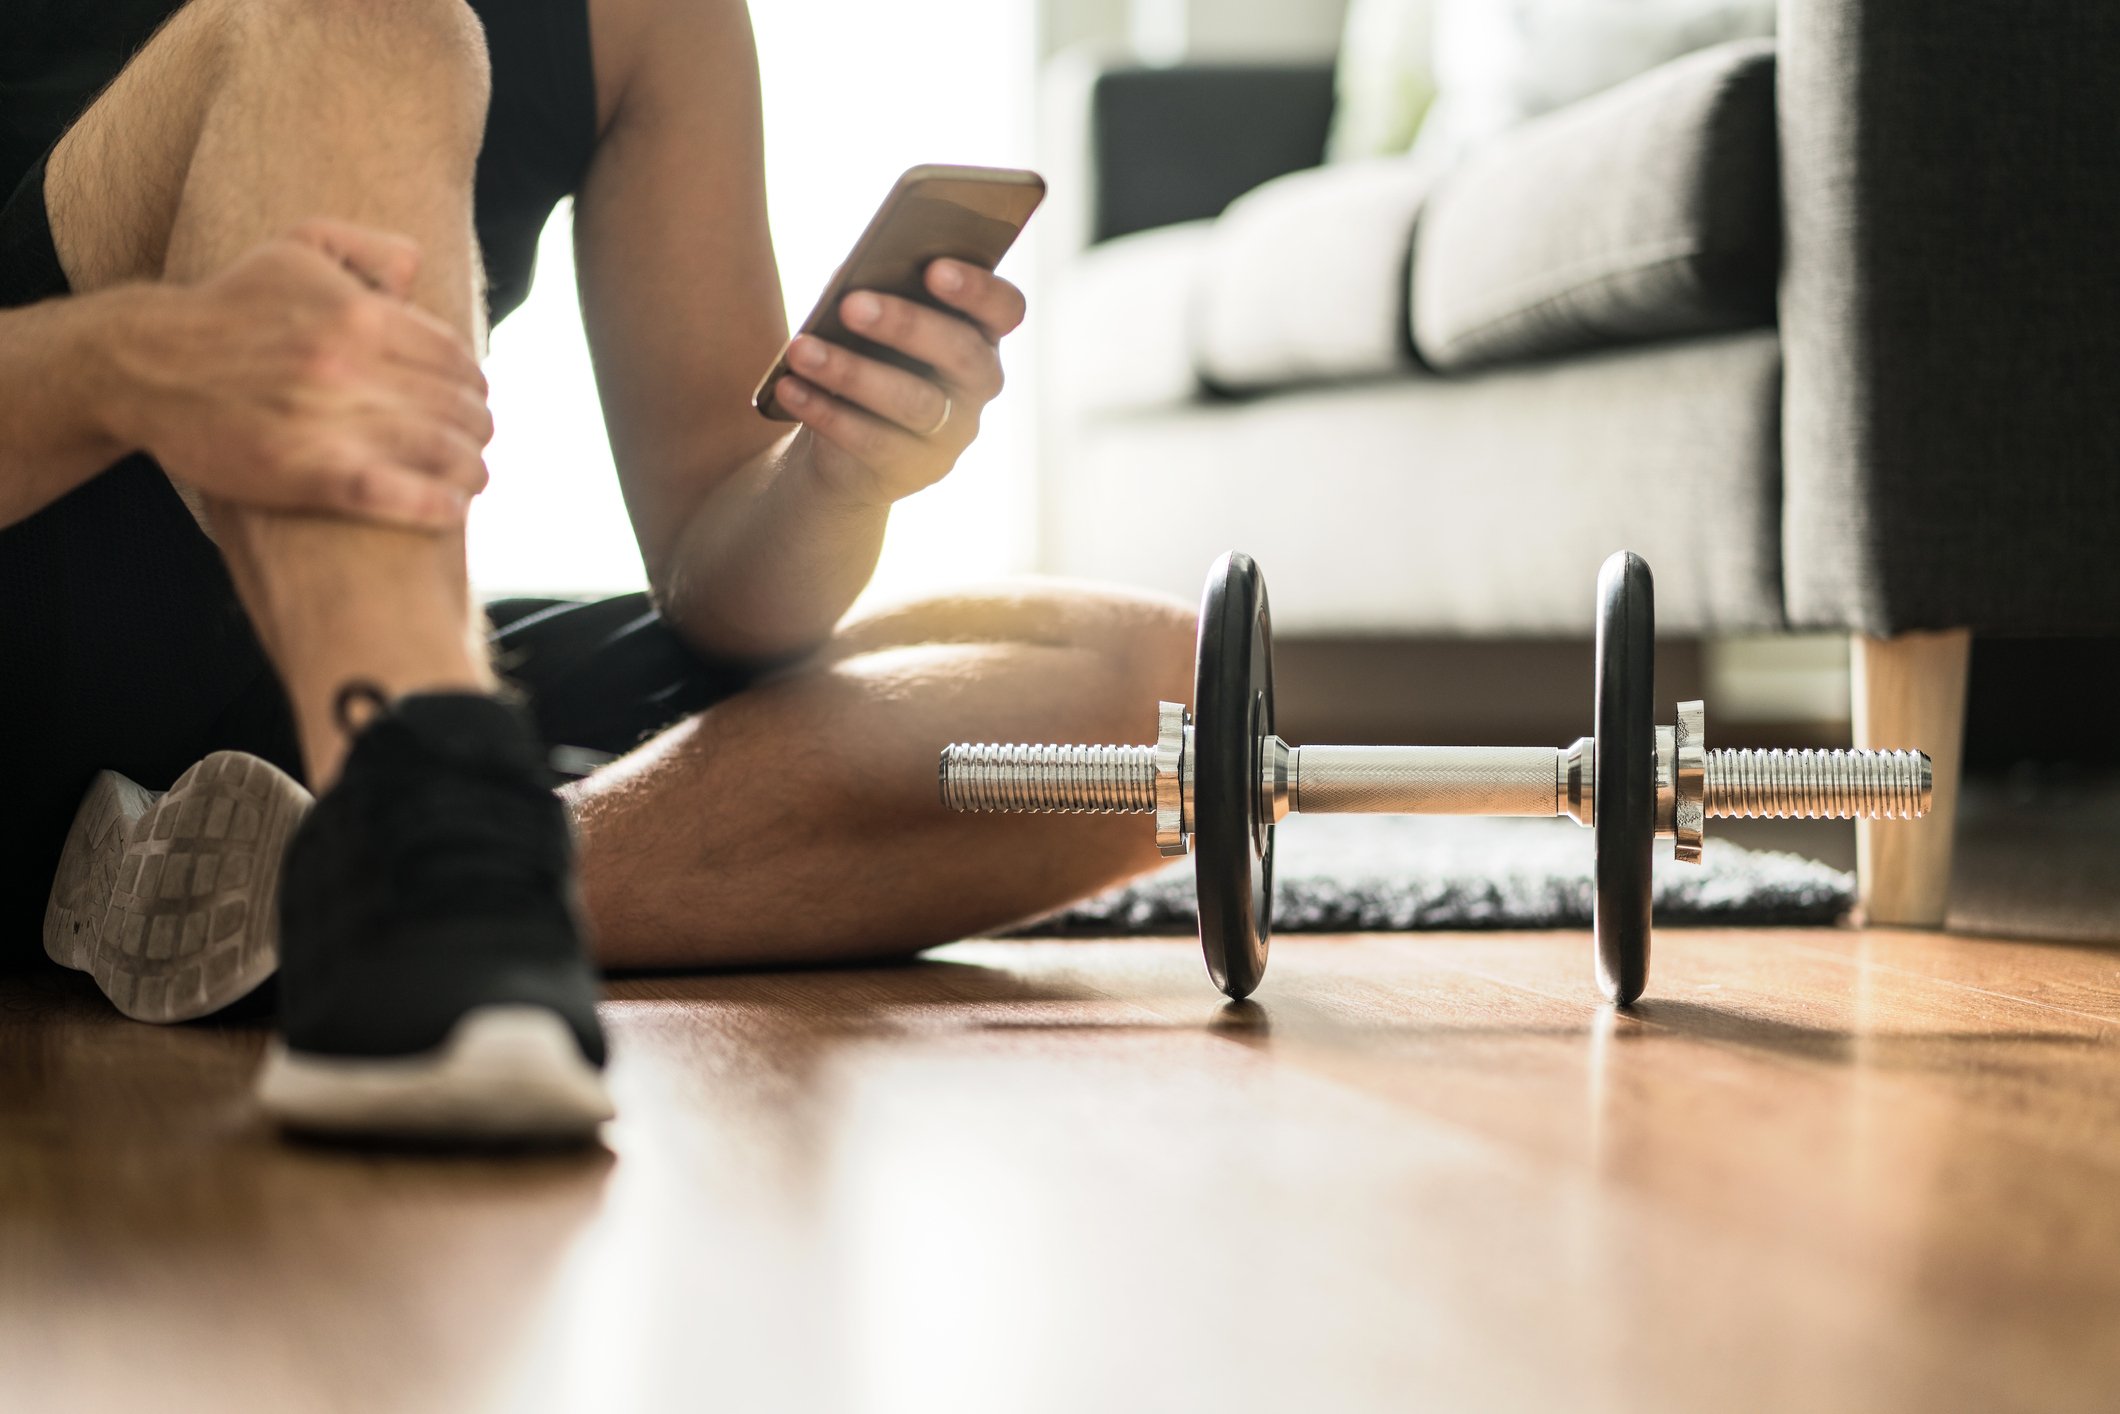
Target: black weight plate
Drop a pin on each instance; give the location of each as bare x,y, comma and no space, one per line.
1625,801
1232,714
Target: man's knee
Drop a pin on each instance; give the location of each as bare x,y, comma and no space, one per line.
413,73
1126,656
1142,651
1159,650
1102,656
434,49
416,61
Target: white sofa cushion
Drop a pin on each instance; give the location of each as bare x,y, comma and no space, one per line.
1304,278
1121,322
1416,505
1650,211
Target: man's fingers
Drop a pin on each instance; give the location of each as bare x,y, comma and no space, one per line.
993,302
912,402
961,355
413,336
392,495
443,400
382,260
865,437
389,263
433,447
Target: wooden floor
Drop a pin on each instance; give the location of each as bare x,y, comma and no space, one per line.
1815,1170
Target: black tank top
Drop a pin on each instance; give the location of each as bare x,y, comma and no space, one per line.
57,55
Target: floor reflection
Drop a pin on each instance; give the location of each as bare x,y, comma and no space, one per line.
163,1250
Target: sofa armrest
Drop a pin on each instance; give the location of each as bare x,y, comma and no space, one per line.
1161,145
1950,310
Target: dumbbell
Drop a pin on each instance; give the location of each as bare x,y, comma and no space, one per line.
1218,779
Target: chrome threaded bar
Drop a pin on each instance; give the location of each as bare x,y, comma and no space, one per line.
1122,780
1819,785
1064,780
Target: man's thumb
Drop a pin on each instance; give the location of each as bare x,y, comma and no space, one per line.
379,259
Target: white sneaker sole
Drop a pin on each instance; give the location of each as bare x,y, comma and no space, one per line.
172,903
505,1074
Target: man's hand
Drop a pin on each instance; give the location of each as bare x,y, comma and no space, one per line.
301,378
883,433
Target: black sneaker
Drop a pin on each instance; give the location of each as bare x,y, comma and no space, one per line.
170,901
433,983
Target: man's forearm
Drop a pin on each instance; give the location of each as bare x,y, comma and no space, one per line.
59,389
772,558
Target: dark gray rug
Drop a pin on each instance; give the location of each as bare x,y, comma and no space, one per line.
1388,873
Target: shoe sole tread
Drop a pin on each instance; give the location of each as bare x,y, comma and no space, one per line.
172,903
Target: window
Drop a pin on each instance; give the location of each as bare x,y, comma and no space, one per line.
855,92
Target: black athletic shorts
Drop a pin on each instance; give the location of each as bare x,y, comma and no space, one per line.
123,647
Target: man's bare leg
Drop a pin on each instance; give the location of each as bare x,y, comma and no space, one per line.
432,980
238,121
244,117
800,821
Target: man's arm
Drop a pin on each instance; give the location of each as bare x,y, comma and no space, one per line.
756,539
289,381
61,392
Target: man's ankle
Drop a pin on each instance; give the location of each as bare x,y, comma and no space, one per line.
330,719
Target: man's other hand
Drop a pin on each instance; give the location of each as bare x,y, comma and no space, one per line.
301,378
881,432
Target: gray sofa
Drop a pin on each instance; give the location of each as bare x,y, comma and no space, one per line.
1827,327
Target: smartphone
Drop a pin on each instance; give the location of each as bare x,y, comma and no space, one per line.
971,214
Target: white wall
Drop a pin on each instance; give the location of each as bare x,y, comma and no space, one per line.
1167,30
932,81
1066,24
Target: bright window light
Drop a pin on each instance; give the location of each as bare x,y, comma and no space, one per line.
855,92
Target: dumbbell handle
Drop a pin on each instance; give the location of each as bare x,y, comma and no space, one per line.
1428,780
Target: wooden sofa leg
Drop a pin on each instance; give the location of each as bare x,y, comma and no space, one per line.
1909,691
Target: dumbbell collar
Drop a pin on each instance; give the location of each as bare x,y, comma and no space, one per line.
1173,778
